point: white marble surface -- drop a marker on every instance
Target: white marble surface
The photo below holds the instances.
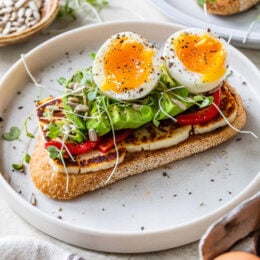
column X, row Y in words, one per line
column 10, row 223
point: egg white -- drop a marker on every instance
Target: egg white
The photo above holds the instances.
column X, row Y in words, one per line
column 139, row 91
column 191, row 80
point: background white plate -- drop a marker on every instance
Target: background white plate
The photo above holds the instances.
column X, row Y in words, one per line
column 161, row 209
column 189, row 13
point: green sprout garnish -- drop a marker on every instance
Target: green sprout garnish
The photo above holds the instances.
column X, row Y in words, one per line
column 92, row 55
column 67, row 10
column 30, row 135
column 12, row 135
column 98, row 4
column 18, row 166
column 27, row 158
column 53, row 152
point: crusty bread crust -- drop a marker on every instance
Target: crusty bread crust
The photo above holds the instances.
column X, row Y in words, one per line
column 228, row 7
column 54, row 184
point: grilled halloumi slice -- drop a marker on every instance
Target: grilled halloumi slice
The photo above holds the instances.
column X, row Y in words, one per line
column 90, row 162
column 149, row 137
column 49, row 110
column 228, row 107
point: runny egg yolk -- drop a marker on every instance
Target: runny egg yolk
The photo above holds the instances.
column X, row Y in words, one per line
column 127, row 65
column 202, row 54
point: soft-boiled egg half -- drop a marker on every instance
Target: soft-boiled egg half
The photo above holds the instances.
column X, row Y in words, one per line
column 196, row 59
column 126, row 67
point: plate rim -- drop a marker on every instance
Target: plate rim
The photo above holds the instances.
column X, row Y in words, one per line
column 16, row 198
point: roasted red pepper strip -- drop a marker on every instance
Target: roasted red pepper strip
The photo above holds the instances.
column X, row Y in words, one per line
column 107, row 142
column 75, row 149
column 202, row 116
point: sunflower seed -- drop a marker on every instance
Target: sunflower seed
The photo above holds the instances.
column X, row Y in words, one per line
column 20, row 20
column 16, row 24
column 32, row 6
column 13, row 16
column 66, row 128
column 28, row 12
column 76, row 85
column 38, row 3
column 8, row 3
column 73, row 99
column 22, row 28
column 13, row 29
column 45, row 127
column 31, row 23
column 7, row 29
column 92, row 135
column 137, row 107
column 5, row 19
column 21, row 12
column 71, row 104
column 7, row 10
column 71, row 85
column 81, row 108
column 72, row 127
column 20, row 3
column 36, row 15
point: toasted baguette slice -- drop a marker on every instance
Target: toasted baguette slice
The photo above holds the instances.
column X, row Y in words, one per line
column 53, row 184
column 228, row 7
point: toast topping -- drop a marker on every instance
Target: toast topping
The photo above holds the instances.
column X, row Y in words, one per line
column 148, row 137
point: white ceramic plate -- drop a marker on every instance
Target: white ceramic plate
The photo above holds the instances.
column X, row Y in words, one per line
column 161, row 209
column 189, row 13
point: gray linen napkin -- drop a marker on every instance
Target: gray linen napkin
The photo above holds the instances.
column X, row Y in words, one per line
column 29, row 248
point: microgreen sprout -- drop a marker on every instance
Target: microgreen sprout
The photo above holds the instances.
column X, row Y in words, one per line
column 98, row 4
column 229, row 74
column 12, row 135
column 53, row 152
column 25, row 126
column 92, row 55
column 67, row 9
column 27, row 158
column 105, row 101
column 18, row 166
column 62, row 81
column 202, row 101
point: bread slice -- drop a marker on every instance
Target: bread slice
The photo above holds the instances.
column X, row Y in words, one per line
column 53, row 184
column 228, row 7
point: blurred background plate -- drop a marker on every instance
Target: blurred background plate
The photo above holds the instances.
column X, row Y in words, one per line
column 189, row 13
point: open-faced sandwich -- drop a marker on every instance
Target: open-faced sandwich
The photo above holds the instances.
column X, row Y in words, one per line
column 227, row 7
column 133, row 111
